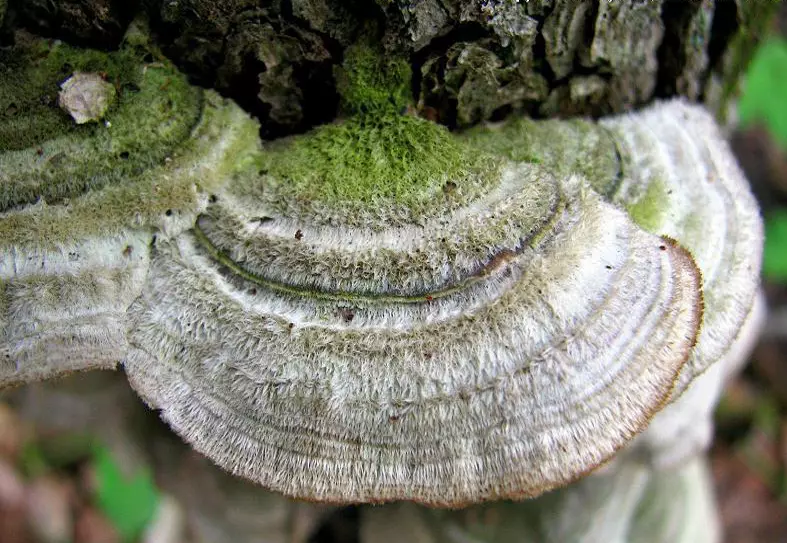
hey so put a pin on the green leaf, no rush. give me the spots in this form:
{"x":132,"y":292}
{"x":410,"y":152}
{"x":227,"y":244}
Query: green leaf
{"x":129,"y":503}
{"x":775,"y":258}
{"x":766,"y":86}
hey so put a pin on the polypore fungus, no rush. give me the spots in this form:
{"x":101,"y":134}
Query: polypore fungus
{"x":376,"y":310}
{"x":672,"y":170}
{"x":81,"y":203}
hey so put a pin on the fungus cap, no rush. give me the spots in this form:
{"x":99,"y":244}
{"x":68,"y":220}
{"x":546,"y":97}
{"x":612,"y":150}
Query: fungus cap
{"x":671,"y":169}
{"x":373,"y":311}
{"x":79,"y":204}
{"x":489,"y":331}
{"x":680,"y":179}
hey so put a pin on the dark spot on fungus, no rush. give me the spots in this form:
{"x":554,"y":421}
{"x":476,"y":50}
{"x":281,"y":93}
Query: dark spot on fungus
{"x":663,"y":247}
{"x":501,"y":259}
{"x":298,"y":235}
{"x":347,"y":314}
{"x":56,"y":159}
{"x":213,"y":198}
{"x":128,"y":250}
{"x":449,"y":187}
{"x":393,"y":418}
{"x":168,"y":213}
{"x":253,"y":291}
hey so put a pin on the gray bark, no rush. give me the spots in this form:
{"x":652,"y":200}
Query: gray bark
{"x":472,"y":60}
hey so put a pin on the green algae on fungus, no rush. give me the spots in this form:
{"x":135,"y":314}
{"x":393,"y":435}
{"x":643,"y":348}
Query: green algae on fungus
{"x":359,"y":306}
{"x":31,"y":74}
{"x":648,"y":210}
{"x":561,"y":146}
{"x":393,"y":167}
{"x":160,"y":140}
{"x":52,"y":157}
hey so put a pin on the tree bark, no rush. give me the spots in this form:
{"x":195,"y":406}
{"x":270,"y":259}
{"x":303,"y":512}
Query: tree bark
{"x":472,"y":60}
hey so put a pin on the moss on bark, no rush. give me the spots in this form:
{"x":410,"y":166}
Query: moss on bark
{"x":472,"y":61}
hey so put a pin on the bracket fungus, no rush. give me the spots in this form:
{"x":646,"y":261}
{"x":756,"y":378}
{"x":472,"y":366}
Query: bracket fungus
{"x":671,"y":169}
{"x":376,"y":310}
{"x":80,"y":203}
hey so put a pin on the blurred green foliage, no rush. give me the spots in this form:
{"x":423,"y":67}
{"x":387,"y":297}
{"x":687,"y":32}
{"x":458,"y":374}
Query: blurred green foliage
{"x":128,"y":502}
{"x":764,"y":101}
{"x":765,"y":96}
{"x":774,"y":264}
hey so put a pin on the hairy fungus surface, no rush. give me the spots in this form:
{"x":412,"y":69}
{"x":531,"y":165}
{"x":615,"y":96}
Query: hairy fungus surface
{"x":671,"y":169}
{"x":80,"y":203}
{"x":376,"y":310}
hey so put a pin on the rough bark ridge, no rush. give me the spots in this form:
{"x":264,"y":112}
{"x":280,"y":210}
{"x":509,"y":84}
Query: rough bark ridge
{"x":473,"y":60}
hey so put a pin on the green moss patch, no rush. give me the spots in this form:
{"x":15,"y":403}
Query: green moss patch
{"x":372,"y":161}
{"x":563,"y":147}
{"x":30,"y":78}
{"x":145,"y":199}
{"x":648,"y":210}
{"x":369,"y":81}
{"x":45,"y":155}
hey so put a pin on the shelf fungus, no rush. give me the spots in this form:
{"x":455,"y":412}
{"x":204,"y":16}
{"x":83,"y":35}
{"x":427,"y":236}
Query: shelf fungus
{"x":80,"y":203}
{"x":376,"y":310}
{"x":671,"y":169}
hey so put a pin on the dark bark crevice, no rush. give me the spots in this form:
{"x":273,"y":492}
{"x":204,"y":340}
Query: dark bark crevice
{"x":724,"y":27}
{"x":471,"y":61}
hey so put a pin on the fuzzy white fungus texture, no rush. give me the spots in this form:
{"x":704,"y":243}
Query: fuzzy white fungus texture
{"x":377,"y":310}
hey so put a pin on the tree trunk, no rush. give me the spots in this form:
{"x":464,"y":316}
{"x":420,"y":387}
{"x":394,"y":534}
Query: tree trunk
{"x":472,"y":60}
